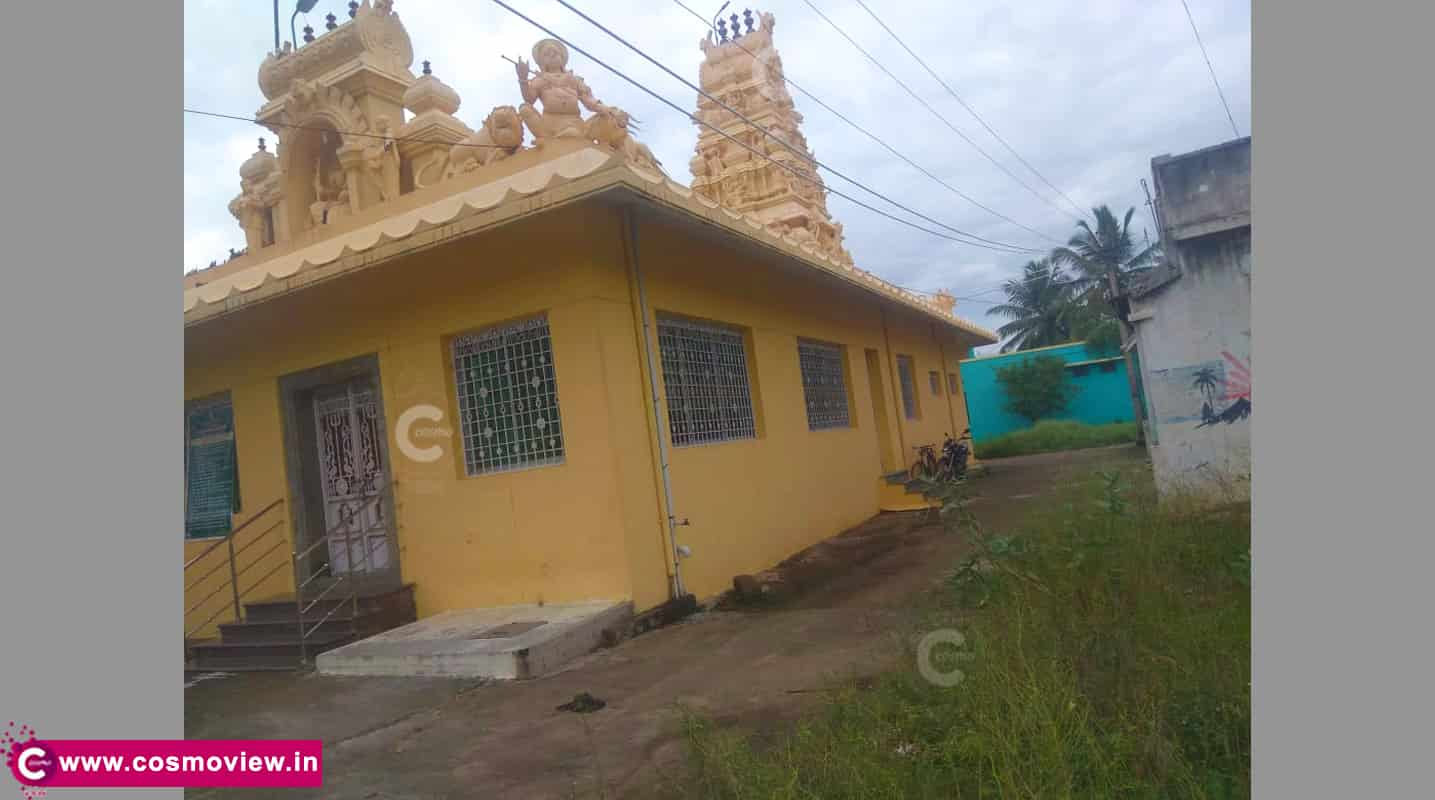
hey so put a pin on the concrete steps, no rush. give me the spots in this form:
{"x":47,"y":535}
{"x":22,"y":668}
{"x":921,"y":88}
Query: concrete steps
{"x":268,"y":636}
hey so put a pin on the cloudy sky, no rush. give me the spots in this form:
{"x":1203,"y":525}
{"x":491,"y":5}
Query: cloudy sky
{"x":1087,"y":93}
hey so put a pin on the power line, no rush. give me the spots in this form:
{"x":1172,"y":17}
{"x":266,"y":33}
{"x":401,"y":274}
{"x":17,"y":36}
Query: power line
{"x":1212,"y":69}
{"x":790,"y":147}
{"x":414,"y":139}
{"x":936,"y":113}
{"x":879,"y":141}
{"x":725,"y":134}
{"x":969,"y":109}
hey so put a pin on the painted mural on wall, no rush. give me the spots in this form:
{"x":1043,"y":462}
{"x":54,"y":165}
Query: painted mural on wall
{"x":1235,"y":396}
{"x":1215,"y":392}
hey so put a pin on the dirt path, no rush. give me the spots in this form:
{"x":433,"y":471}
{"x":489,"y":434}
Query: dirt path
{"x":406,"y":739}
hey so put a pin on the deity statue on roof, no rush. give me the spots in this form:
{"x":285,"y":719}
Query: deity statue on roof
{"x":558,"y":91}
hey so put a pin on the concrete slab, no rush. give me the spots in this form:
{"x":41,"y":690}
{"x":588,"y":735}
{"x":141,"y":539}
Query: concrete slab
{"x":506,"y":642}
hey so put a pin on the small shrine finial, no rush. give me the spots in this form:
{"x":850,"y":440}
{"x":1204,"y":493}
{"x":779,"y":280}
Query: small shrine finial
{"x":331,"y":22}
{"x":353,"y":9}
{"x":428,"y":70}
{"x":261,"y":143}
{"x":308,"y":34}
{"x":722,"y":30}
{"x":747,"y":19}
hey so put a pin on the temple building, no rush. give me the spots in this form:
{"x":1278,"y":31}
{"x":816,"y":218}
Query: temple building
{"x":502,"y":359}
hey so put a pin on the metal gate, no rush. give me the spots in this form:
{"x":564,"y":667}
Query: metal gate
{"x":352,"y":471}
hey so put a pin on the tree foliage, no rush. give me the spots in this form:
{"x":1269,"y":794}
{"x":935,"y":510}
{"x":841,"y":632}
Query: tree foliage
{"x":1039,"y":307}
{"x":1037,"y":387}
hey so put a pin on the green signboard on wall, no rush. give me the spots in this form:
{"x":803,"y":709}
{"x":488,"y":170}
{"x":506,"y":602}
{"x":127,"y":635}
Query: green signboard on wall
{"x":211,"y":470}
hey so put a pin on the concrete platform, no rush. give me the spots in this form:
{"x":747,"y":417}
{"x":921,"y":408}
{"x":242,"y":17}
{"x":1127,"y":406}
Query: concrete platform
{"x":508,"y":642}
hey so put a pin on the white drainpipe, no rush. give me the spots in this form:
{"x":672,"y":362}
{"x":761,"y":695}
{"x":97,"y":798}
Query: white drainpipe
{"x":632,"y":223}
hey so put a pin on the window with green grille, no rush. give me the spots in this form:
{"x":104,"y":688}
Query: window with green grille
{"x":508,"y":397}
{"x":211,"y":469}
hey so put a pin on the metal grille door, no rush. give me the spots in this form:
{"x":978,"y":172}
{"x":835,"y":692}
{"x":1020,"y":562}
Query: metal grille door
{"x":352,"y":473}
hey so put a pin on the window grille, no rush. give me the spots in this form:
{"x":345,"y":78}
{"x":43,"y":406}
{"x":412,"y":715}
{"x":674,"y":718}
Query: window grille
{"x":907,"y":378}
{"x":824,"y":386}
{"x":935,"y":379}
{"x":211,"y":469}
{"x":952,"y":383}
{"x":508,"y":398}
{"x":705,"y":374}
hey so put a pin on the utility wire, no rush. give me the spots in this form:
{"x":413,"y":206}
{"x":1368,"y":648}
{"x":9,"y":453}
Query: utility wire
{"x":937,"y":114}
{"x":730,"y":137}
{"x":1212,"y":69}
{"x":873,"y":137}
{"x":414,"y":139}
{"x":774,"y":137}
{"x":969,"y":109}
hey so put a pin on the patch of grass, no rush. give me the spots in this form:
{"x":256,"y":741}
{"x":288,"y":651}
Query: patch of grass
{"x":1051,"y":435}
{"x":1107,"y":655}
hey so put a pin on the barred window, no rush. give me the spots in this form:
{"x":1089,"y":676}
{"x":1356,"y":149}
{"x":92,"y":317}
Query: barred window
{"x":906,"y":376}
{"x":952,"y":383}
{"x":508,"y":398}
{"x":705,"y":373}
{"x":935,"y":379}
{"x":824,"y":386}
{"x":211,"y":468}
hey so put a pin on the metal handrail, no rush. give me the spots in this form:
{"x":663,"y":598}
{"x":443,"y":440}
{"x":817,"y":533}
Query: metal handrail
{"x":348,"y":578}
{"x":261,"y":512}
{"x":231,"y":561}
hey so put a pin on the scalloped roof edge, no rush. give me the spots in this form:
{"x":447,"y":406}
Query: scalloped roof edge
{"x":605,"y":168}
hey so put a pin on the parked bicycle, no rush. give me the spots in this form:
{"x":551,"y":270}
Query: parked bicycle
{"x":950,"y":466}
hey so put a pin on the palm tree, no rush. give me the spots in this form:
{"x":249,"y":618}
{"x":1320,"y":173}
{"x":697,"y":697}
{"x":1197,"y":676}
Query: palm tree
{"x":1039,"y":306}
{"x":1097,"y":253}
{"x":1101,"y":257}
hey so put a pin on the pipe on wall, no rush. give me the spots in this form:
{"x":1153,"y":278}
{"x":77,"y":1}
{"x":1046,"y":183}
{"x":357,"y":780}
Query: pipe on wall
{"x":630,"y":245}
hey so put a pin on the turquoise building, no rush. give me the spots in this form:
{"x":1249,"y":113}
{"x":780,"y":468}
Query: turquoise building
{"x":1103,"y":392}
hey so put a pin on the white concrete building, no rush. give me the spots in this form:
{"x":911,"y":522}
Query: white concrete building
{"x":1192,"y":322}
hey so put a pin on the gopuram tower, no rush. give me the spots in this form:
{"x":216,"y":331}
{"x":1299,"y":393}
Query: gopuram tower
{"x":742,"y":69}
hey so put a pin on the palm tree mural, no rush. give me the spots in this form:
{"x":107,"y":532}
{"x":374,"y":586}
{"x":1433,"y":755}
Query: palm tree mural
{"x":1039,"y":307}
{"x":1205,"y":381}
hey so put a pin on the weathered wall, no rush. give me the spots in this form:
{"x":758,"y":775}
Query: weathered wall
{"x":1205,"y":191}
{"x":1101,"y":397}
{"x":1194,"y":338}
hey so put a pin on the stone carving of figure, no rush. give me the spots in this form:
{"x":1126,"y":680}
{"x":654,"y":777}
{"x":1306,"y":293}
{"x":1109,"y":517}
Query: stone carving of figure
{"x":332,"y":197}
{"x":250,"y":212}
{"x":557,"y":90}
{"x":609,"y":127}
{"x":381,"y":160}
